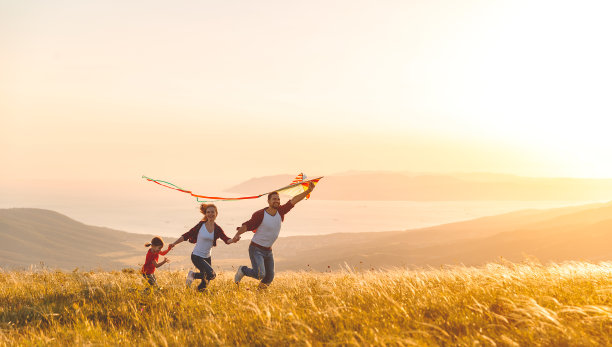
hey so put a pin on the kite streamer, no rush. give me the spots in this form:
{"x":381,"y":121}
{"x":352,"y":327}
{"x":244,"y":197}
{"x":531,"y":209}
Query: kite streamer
{"x":298,"y":185}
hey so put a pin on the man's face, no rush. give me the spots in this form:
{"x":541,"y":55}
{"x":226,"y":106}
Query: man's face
{"x":274,"y":201}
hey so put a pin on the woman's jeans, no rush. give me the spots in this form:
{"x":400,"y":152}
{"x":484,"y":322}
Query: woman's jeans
{"x":206,"y":271}
{"x":262,"y":262}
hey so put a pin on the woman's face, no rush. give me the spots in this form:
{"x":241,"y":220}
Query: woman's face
{"x":156,"y":249}
{"x":211,"y":213}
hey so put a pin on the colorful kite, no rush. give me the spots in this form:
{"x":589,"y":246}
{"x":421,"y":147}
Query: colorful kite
{"x":299,"y":185}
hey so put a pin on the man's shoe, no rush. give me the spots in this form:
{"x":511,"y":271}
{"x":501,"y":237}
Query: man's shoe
{"x":239,"y":275}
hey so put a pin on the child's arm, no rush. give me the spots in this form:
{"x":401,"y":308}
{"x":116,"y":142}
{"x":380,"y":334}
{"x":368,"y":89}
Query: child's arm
{"x":170,"y":246}
{"x":166,"y":260}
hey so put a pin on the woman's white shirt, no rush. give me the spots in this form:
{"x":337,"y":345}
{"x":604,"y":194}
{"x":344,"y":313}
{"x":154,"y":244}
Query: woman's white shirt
{"x":204,"y":243}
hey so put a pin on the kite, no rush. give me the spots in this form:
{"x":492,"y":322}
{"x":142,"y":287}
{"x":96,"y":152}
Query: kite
{"x":299,"y":185}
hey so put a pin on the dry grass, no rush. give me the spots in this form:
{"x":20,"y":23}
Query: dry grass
{"x":504,"y":304}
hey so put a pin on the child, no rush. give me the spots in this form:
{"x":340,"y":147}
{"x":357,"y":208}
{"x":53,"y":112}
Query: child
{"x":148,"y":269}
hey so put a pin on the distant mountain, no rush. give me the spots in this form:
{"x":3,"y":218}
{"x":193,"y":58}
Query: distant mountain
{"x":423,"y":187}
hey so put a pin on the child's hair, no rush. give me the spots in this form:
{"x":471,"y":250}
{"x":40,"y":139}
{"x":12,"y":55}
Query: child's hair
{"x":156,"y":241}
{"x":204,"y":207}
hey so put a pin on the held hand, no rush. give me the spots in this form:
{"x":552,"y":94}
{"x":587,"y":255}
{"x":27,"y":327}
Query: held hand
{"x":311,"y":186}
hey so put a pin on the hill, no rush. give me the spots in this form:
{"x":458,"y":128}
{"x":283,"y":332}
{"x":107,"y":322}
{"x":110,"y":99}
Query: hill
{"x":428,"y":187}
{"x":34,"y":236}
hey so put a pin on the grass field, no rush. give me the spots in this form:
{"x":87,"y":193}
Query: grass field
{"x":504,"y":304}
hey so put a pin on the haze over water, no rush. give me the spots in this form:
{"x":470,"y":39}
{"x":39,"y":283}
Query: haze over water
{"x":312,"y":217}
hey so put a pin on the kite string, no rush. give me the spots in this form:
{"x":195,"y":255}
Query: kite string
{"x":175,"y":187}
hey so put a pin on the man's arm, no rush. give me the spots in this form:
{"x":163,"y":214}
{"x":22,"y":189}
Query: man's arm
{"x":251,"y":224}
{"x":301,"y":196}
{"x":241,"y":230}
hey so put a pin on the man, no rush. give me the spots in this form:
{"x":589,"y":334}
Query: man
{"x":266,"y":224}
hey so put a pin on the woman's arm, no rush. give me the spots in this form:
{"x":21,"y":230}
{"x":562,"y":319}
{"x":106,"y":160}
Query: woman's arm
{"x":179,"y":240}
{"x":191,"y":235}
{"x":221,"y":234}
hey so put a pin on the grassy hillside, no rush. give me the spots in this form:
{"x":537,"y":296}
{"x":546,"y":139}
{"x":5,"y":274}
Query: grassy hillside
{"x":506,"y":304}
{"x":31,"y":236}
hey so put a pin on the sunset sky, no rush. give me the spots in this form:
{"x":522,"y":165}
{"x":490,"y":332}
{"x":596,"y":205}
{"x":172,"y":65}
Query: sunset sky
{"x":229,"y":90}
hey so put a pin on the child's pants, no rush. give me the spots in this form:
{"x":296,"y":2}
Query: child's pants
{"x":150,"y":278}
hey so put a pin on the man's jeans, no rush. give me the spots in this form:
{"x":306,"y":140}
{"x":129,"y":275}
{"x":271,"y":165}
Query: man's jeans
{"x":262,"y":262}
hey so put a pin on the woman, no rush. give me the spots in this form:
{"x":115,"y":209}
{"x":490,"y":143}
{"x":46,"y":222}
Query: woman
{"x":204,"y":235}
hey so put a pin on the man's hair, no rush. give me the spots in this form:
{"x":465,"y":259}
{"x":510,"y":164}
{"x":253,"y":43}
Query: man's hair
{"x":273,"y":193}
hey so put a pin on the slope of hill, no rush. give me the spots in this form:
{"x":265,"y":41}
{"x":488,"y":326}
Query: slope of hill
{"x":31,"y":236}
{"x":574,"y":233}
{"x":465,"y":187}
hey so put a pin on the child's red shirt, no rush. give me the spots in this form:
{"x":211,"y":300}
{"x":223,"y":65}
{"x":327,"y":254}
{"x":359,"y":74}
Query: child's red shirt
{"x":149,"y":265}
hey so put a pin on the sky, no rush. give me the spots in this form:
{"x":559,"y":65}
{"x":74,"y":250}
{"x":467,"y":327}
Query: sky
{"x":106,"y":91}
